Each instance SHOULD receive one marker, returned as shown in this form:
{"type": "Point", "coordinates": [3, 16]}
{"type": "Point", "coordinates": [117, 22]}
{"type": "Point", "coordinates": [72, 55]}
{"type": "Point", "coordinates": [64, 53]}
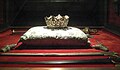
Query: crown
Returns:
{"type": "Point", "coordinates": [57, 21]}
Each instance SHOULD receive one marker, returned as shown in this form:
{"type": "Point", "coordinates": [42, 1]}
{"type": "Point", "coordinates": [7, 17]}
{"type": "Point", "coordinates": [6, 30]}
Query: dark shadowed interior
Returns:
{"type": "Point", "coordinates": [32, 12]}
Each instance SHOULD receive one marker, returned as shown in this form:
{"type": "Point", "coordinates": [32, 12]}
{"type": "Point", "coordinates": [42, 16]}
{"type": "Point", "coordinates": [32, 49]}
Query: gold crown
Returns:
{"type": "Point", "coordinates": [57, 21]}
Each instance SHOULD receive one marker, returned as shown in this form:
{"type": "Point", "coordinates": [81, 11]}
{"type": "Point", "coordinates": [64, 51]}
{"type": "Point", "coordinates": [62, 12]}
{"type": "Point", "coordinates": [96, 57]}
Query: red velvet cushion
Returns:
{"type": "Point", "coordinates": [52, 43]}
{"type": "Point", "coordinates": [55, 42]}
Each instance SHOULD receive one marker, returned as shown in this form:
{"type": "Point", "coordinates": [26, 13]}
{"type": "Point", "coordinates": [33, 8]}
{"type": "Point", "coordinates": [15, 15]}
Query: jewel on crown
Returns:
{"type": "Point", "coordinates": [57, 21]}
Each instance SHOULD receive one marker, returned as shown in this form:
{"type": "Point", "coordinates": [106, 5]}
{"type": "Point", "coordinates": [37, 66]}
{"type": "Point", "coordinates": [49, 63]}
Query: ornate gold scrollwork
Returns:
{"type": "Point", "coordinates": [87, 30]}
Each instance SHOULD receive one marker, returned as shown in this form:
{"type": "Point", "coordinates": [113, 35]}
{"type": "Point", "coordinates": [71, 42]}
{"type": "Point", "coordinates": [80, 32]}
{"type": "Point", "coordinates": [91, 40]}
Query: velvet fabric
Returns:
{"type": "Point", "coordinates": [107, 38]}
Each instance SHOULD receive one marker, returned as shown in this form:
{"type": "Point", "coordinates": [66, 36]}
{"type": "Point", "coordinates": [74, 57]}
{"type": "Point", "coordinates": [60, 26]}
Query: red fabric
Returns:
{"type": "Point", "coordinates": [57, 51]}
{"type": "Point", "coordinates": [5, 33]}
{"type": "Point", "coordinates": [44, 58]}
{"type": "Point", "coordinates": [106, 38]}
{"type": "Point", "coordinates": [56, 42]}
{"type": "Point", "coordinates": [18, 44]}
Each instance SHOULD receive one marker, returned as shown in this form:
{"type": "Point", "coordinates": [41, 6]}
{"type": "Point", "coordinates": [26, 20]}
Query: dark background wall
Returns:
{"type": "Point", "coordinates": [1, 11]}
{"type": "Point", "coordinates": [32, 12]}
{"type": "Point", "coordinates": [114, 12]}
{"type": "Point", "coordinates": [3, 24]}
{"type": "Point", "coordinates": [82, 12]}
{"type": "Point", "coordinates": [113, 16]}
